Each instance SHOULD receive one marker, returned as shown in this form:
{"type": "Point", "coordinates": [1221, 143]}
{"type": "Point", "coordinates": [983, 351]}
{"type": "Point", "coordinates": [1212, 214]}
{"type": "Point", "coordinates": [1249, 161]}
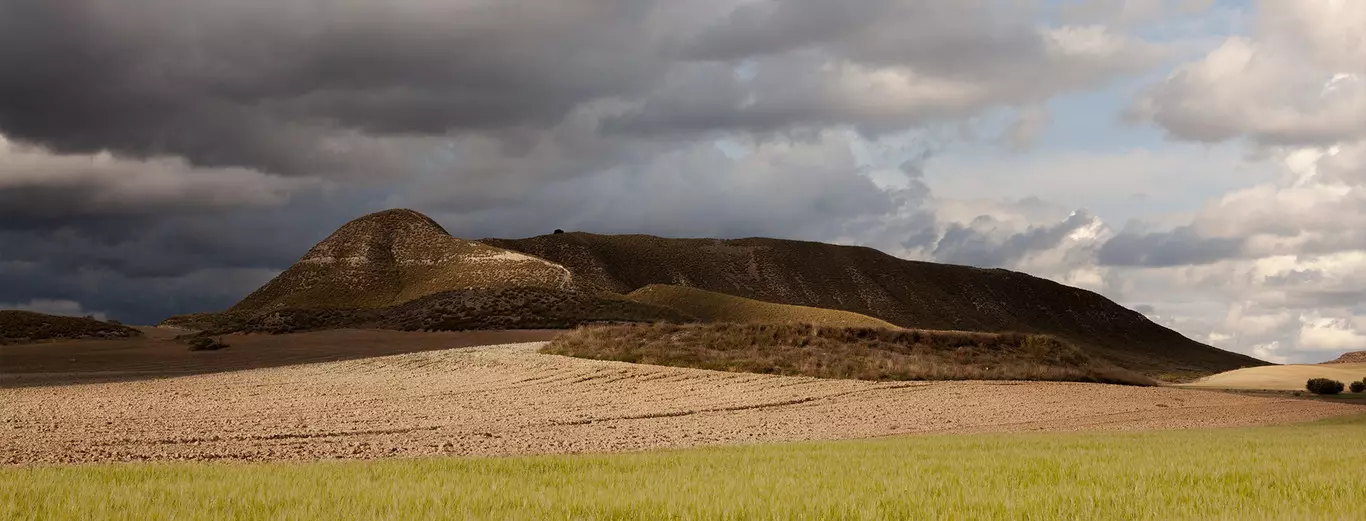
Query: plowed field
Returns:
{"type": "Point", "coordinates": [508, 399]}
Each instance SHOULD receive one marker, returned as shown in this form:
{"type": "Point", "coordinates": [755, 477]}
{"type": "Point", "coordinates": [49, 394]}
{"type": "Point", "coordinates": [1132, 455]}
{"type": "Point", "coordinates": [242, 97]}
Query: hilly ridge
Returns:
{"type": "Point", "coordinates": [912, 294]}
{"type": "Point", "coordinates": [399, 269]}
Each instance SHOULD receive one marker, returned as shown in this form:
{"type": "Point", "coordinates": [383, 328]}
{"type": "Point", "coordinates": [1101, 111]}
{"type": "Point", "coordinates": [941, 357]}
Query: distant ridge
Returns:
{"type": "Point", "coordinates": [1356, 357]}
{"type": "Point", "coordinates": [912, 294]}
{"type": "Point", "coordinates": [26, 326]}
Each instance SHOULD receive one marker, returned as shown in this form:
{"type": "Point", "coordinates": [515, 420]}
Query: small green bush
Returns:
{"type": "Point", "coordinates": [1358, 387]}
{"type": "Point", "coordinates": [204, 343]}
{"type": "Point", "coordinates": [1324, 386]}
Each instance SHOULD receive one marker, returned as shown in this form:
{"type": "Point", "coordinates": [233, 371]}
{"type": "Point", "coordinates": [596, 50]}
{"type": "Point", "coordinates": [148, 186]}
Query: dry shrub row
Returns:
{"type": "Point", "coordinates": [840, 352]}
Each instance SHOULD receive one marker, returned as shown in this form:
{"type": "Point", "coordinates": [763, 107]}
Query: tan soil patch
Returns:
{"type": "Point", "coordinates": [159, 355]}
{"type": "Point", "coordinates": [1282, 377]}
{"type": "Point", "coordinates": [508, 399]}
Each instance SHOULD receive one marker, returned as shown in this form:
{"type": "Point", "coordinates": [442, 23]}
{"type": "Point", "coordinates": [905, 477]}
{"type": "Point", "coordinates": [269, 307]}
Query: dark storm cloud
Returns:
{"type": "Point", "coordinates": [975, 244]}
{"type": "Point", "coordinates": [268, 84]}
{"type": "Point", "coordinates": [240, 132]}
{"type": "Point", "coordinates": [1182, 246]}
{"type": "Point", "coordinates": [795, 189]}
{"type": "Point", "coordinates": [877, 65]}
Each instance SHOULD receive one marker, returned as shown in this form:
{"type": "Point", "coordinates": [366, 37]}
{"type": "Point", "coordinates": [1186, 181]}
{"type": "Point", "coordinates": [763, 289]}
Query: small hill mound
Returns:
{"type": "Point", "coordinates": [391, 257]}
{"type": "Point", "coordinates": [709, 306]}
{"type": "Point", "coordinates": [467, 309]}
{"type": "Point", "coordinates": [851, 353]}
{"type": "Point", "coordinates": [862, 280]}
{"type": "Point", "coordinates": [26, 326]}
{"type": "Point", "coordinates": [1357, 357]}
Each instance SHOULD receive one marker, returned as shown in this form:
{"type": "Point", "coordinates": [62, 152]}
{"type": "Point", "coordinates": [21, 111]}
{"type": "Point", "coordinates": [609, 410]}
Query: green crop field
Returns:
{"type": "Point", "coordinates": [1313, 471]}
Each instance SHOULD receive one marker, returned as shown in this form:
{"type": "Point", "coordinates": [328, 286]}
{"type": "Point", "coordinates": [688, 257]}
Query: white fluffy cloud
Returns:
{"type": "Point", "coordinates": [1299, 79]}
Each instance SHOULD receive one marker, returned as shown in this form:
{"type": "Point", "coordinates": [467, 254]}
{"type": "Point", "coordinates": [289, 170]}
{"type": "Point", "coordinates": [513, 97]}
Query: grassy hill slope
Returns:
{"type": "Point", "coordinates": [862, 280]}
{"type": "Point", "coordinates": [709, 306]}
{"type": "Point", "coordinates": [465, 309]}
{"type": "Point", "coordinates": [838, 352]}
{"type": "Point", "coordinates": [27, 326]}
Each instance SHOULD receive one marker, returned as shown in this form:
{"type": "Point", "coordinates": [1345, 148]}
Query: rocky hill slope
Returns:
{"type": "Point", "coordinates": [395, 256]}
{"type": "Point", "coordinates": [863, 280]}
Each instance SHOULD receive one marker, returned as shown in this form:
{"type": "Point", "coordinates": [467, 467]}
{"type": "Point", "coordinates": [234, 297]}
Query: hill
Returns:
{"type": "Point", "coordinates": [709, 306]}
{"type": "Point", "coordinates": [392, 257]}
{"type": "Point", "coordinates": [838, 352]}
{"type": "Point", "coordinates": [1356, 357]}
{"type": "Point", "coordinates": [26, 326]}
{"type": "Point", "coordinates": [862, 280]}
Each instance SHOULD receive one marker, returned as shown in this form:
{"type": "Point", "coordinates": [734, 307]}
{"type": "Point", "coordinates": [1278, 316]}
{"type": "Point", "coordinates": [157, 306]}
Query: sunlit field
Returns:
{"type": "Point", "coordinates": [1312, 471]}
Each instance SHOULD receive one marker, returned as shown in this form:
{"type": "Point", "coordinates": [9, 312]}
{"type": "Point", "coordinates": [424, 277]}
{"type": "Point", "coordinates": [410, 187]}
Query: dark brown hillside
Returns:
{"type": "Point", "coordinates": [27, 326]}
{"type": "Point", "coordinates": [862, 280]}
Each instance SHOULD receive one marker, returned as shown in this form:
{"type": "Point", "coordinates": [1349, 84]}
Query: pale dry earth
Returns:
{"type": "Point", "coordinates": [509, 399]}
{"type": "Point", "coordinates": [1282, 377]}
{"type": "Point", "coordinates": [159, 355]}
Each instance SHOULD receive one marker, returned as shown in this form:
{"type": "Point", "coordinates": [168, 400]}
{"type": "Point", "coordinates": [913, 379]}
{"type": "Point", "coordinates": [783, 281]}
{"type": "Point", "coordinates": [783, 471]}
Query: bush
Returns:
{"type": "Point", "coordinates": [1358, 387]}
{"type": "Point", "coordinates": [204, 343]}
{"type": "Point", "coordinates": [1324, 386]}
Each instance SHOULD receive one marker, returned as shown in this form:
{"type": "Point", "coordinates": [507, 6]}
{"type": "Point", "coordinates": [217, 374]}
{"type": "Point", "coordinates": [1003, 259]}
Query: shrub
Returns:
{"type": "Point", "coordinates": [1358, 387]}
{"type": "Point", "coordinates": [204, 343]}
{"type": "Point", "coordinates": [1323, 386]}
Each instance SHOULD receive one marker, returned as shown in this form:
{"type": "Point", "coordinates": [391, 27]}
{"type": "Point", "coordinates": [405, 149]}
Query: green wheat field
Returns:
{"type": "Point", "coordinates": [1304, 472]}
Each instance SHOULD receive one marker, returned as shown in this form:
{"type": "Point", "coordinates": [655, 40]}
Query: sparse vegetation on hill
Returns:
{"type": "Point", "coordinates": [862, 280]}
{"type": "Point", "coordinates": [710, 306]}
{"type": "Point", "coordinates": [497, 308]}
{"type": "Point", "coordinates": [834, 352]}
{"type": "Point", "coordinates": [27, 326]}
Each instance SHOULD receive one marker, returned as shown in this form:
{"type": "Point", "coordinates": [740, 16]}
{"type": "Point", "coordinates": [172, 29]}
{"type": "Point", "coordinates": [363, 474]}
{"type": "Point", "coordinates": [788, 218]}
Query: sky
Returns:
{"type": "Point", "coordinates": [1200, 161]}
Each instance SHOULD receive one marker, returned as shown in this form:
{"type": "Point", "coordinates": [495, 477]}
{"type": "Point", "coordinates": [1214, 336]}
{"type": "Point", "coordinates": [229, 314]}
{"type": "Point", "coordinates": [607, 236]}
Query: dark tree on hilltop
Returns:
{"type": "Point", "coordinates": [557, 230]}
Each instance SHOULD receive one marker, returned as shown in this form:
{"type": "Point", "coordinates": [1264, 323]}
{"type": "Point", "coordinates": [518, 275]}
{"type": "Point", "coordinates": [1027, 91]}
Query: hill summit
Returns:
{"type": "Point", "coordinates": [392, 257]}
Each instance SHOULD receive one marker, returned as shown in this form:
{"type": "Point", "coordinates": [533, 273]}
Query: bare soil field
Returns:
{"type": "Point", "coordinates": [158, 355]}
{"type": "Point", "coordinates": [509, 399]}
{"type": "Point", "coordinates": [1281, 377]}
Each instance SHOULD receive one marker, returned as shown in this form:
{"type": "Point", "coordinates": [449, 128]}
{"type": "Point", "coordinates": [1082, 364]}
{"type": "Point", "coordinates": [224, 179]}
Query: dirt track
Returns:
{"type": "Point", "coordinates": [510, 400]}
